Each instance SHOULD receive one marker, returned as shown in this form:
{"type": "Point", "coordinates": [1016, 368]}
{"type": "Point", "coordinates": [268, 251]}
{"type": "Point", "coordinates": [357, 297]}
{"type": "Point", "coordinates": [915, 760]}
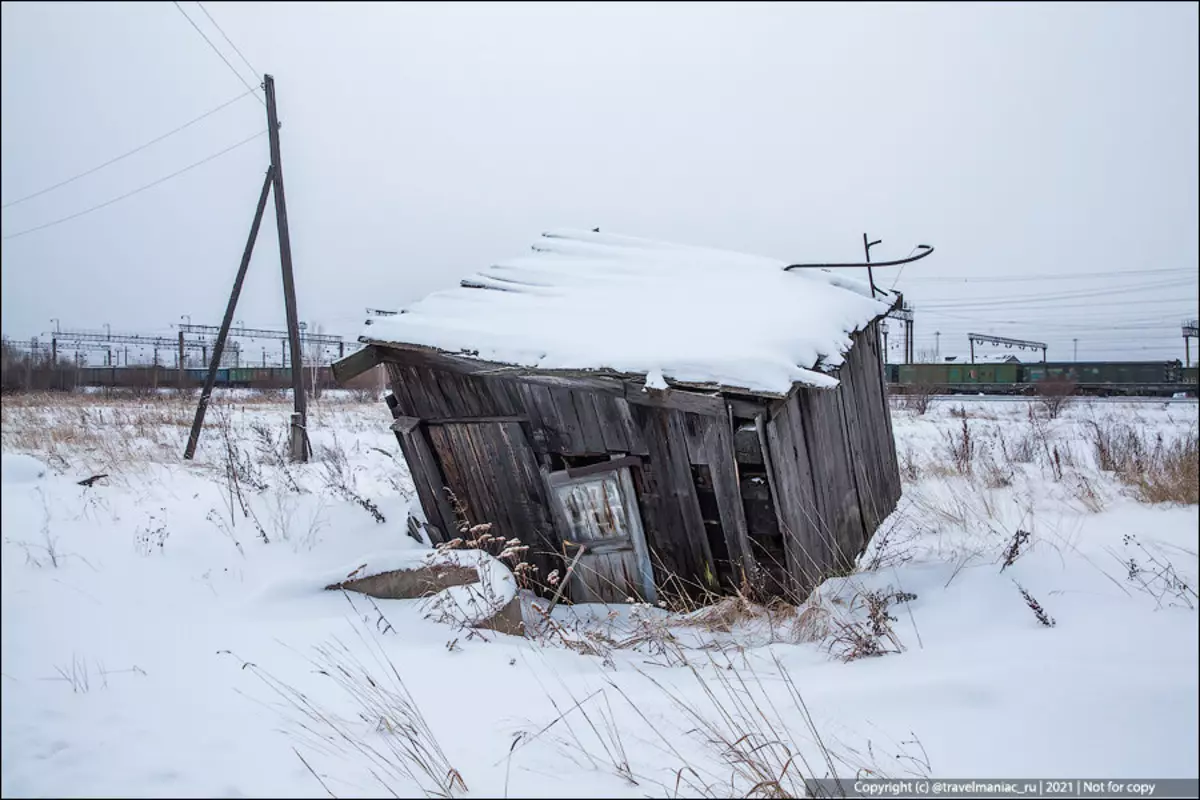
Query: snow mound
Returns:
{"type": "Point", "coordinates": [20, 468]}
{"type": "Point", "coordinates": [592, 301]}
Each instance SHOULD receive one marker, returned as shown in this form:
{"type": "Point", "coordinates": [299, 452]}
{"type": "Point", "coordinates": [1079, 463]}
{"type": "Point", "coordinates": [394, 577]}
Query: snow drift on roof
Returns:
{"type": "Point", "coordinates": [586, 300]}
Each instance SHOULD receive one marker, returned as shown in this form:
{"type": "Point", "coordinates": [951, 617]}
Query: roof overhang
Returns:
{"type": "Point", "coordinates": [709, 399]}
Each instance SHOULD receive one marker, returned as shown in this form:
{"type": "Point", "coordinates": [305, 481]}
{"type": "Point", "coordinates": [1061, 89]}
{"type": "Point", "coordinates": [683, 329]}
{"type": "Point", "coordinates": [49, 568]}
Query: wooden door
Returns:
{"type": "Point", "coordinates": [599, 511]}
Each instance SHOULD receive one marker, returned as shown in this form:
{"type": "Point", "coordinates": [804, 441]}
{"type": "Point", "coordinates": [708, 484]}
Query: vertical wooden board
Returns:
{"type": "Point", "coordinates": [696, 428]}
{"type": "Point", "coordinates": [891, 464]}
{"type": "Point", "coordinates": [491, 467]}
{"type": "Point", "coordinates": [475, 395]}
{"type": "Point", "coordinates": [806, 549]}
{"type": "Point", "coordinates": [679, 537]}
{"type": "Point", "coordinates": [633, 433]}
{"type": "Point", "coordinates": [438, 395]}
{"type": "Point", "coordinates": [456, 469]}
{"type": "Point", "coordinates": [722, 466]}
{"type": "Point", "coordinates": [595, 578]}
{"type": "Point", "coordinates": [875, 414]}
{"type": "Point", "coordinates": [860, 442]}
{"type": "Point", "coordinates": [605, 578]}
{"type": "Point", "coordinates": [833, 477]}
{"type": "Point", "coordinates": [458, 394]}
{"type": "Point", "coordinates": [528, 493]}
{"type": "Point", "coordinates": [426, 476]}
{"type": "Point", "coordinates": [423, 405]}
{"type": "Point", "coordinates": [542, 406]}
{"type": "Point", "coordinates": [540, 436]}
{"type": "Point", "coordinates": [612, 424]}
{"type": "Point", "coordinates": [661, 518]}
{"type": "Point", "coordinates": [401, 384]}
{"type": "Point", "coordinates": [429, 481]}
{"type": "Point", "coordinates": [572, 431]}
{"type": "Point", "coordinates": [398, 383]}
{"type": "Point", "coordinates": [877, 409]}
{"type": "Point", "coordinates": [591, 428]}
{"type": "Point", "coordinates": [505, 395]}
{"type": "Point", "coordinates": [683, 487]}
{"type": "Point", "coordinates": [489, 475]}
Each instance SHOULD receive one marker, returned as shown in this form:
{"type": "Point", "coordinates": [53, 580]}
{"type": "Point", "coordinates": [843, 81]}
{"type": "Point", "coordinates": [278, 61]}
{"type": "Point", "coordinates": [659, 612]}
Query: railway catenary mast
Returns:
{"type": "Point", "coordinates": [1021, 344]}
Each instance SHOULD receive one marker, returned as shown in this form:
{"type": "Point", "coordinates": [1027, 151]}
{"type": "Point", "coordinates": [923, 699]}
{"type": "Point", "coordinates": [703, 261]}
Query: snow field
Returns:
{"type": "Point", "coordinates": [165, 631]}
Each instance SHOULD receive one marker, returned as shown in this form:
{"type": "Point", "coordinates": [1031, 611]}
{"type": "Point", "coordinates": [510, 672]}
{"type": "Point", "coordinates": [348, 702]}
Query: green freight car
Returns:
{"type": "Point", "coordinates": [958, 377]}
{"type": "Point", "coordinates": [1096, 378]}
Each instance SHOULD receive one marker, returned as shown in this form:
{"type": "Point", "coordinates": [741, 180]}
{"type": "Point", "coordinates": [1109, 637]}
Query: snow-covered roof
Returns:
{"type": "Point", "coordinates": [997, 358]}
{"type": "Point", "coordinates": [597, 301]}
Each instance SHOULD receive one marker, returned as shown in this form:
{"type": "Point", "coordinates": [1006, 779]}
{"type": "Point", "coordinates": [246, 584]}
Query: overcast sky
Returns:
{"type": "Point", "coordinates": [420, 142]}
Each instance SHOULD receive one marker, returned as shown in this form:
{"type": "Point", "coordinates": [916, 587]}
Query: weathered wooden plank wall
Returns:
{"type": "Point", "coordinates": [801, 524]}
{"type": "Point", "coordinates": [427, 477]}
{"type": "Point", "coordinates": [834, 464]}
{"type": "Point", "coordinates": [491, 468]}
{"type": "Point", "coordinates": [836, 490]}
{"type": "Point", "coordinates": [829, 455]}
{"type": "Point", "coordinates": [677, 541]}
{"type": "Point", "coordinates": [577, 422]}
{"type": "Point", "coordinates": [869, 434]}
{"type": "Point", "coordinates": [721, 459]}
{"type": "Point", "coordinates": [891, 464]}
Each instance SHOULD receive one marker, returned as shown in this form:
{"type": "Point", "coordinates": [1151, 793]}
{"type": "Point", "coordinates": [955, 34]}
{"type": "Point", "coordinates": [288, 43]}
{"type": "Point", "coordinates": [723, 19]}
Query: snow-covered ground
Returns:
{"type": "Point", "coordinates": [166, 633]}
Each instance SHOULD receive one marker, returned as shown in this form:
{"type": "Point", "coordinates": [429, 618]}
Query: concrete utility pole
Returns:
{"type": "Point", "coordinates": [1075, 344]}
{"type": "Point", "coordinates": [1190, 330]}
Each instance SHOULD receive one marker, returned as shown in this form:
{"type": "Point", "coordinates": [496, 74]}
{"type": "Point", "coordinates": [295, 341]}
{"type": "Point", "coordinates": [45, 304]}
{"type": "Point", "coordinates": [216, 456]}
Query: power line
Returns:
{"type": "Point", "coordinates": [135, 191]}
{"type": "Point", "coordinates": [137, 149]}
{"type": "Point", "coordinates": [1045, 312]}
{"type": "Point", "coordinates": [215, 50]}
{"type": "Point", "coordinates": [245, 60]}
{"type": "Point", "coordinates": [1036, 315]}
{"type": "Point", "coordinates": [1039, 299]}
{"type": "Point", "coordinates": [1055, 277]}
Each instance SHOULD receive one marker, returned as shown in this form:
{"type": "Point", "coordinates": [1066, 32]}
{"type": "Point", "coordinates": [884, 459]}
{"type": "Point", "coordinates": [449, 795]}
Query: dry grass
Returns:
{"type": "Point", "coordinates": [118, 432]}
{"type": "Point", "coordinates": [918, 397]}
{"type": "Point", "coordinates": [1054, 395]}
{"type": "Point", "coordinates": [389, 737]}
{"type": "Point", "coordinates": [731, 733]}
{"type": "Point", "coordinates": [1159, 470]}
{"type": "Point", "coordinates": [1154, 574]}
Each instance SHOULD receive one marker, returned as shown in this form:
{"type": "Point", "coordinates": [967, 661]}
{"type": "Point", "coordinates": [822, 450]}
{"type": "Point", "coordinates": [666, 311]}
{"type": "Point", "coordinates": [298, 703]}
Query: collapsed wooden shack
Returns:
{"type": "Point", "coordinates": [693, 420]}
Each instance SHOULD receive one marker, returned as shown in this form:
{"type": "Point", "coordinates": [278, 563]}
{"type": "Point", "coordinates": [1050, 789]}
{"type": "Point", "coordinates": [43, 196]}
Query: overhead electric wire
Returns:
{"type": "Point", "coordinates": [1055, 277]}
{"type": "Point", "coordinates": [125, 155]}
{"type": "Point", "coordinates": [1036, 315]}
{"type": "Point", "coordinates": [216, 50]}
{"type": "Point", "coordinates": [237, 50]}
{"type": "Point", "coordinates": [135, 191]}
{"type": "Point", "coordinates": [1044, 297]}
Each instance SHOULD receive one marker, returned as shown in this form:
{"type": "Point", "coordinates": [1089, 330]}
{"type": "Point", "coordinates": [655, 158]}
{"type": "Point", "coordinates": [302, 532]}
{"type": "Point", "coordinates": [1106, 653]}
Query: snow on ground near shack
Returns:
{"type": "Point", "coordinates": [140, 630]}
{"type": "Point", "coordinates": [763, 328]}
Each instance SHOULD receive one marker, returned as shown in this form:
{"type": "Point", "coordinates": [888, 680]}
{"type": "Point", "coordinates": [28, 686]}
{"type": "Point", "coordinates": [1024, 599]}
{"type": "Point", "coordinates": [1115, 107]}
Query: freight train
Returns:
{"type": "Point", "coordinates": [227, 377]}
{"type": "Point", "coordinates": [1101, 378]}
{"type": "Point", "coordinates": [1156, 378]}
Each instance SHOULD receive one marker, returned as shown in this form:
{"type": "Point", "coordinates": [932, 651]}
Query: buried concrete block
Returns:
{"type": "Point", "coordinates": [464, 587]}
{"type": "Point", "coordinates": [410, 584]}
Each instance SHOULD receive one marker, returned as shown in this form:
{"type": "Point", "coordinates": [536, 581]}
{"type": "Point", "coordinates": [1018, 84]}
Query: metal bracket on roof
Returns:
{"type": "Point", "coordinates": [925, 248]}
